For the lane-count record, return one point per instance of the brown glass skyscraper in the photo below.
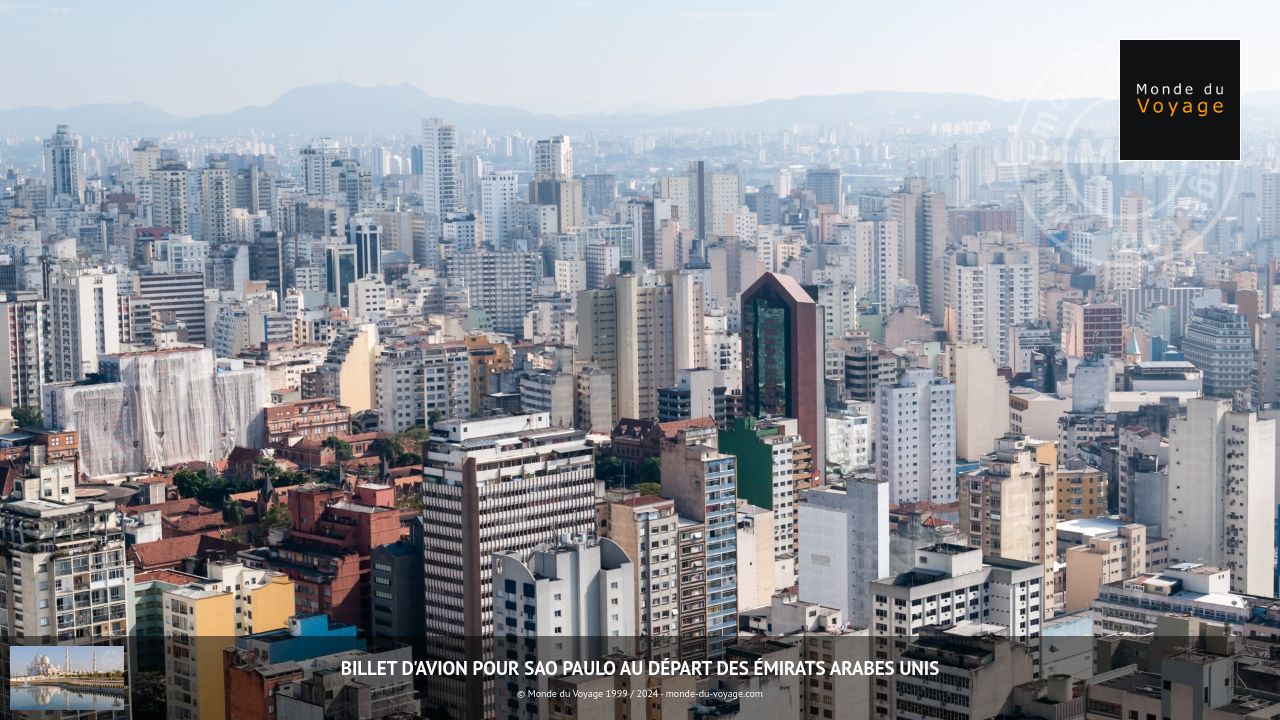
(782, 358)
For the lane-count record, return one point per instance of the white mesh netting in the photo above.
(169, 407)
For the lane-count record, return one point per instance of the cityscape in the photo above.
(873, 402)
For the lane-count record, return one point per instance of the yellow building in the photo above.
(203, 618)
(1082, 493)
(488, 359)
(1120, 555)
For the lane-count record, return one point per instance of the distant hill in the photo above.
(342, 109)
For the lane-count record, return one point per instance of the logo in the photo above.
(1179, 99)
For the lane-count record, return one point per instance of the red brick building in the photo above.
(326, 550)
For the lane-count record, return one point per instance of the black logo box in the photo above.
(1185, 65)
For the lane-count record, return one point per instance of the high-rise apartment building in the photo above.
(500, 284)
(1221, 506)
(982, 406)
(1008, 506)
(54, 546)
(24, 348)
(921, 219)
(440, 191)
(499, 193)
(176, 297)
(573, 600)
(702, 482)
(1266, 383)
(916, 448)
(1092, 328)
(416, 384)
(84, 321)
(553, 157)
(317, 160)
(642, 330)
(217, 197)
(366, 236)
(772, 463)
(62, 162)
(824, 183)
(170, 204)
(992, 288)
(950, 584)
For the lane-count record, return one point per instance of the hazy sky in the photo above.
(577, 56)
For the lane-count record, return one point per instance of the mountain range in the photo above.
(345, 109)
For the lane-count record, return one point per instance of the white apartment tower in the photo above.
(993, 287)
(916, 452)
(553, 158)
(439, 173)
(499, 192)
(84, 321)
(575, 599)
(62, 161)
(24, 341)
(1220, 506)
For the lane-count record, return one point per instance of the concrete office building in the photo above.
(481, 479)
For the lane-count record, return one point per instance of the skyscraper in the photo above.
(782, 357)
(703, 483)
(844, 545)
(366, 236)
(439, 173)
(598, 192)
(982, 398)
(217, 196)
(501, 484)
(992, 288)
(642, 330)
(916, 450)
(169, 202)
(922, 230)
(317, 166)
(824, 183)
(498, 195)
(62, 160)
(340, 272)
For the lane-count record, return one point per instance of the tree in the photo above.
(648, 488)
(651, 471)
(28, 417)
(341, 448)
(609, 470)
(233, 512)
(277, 516)
(147, 694)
